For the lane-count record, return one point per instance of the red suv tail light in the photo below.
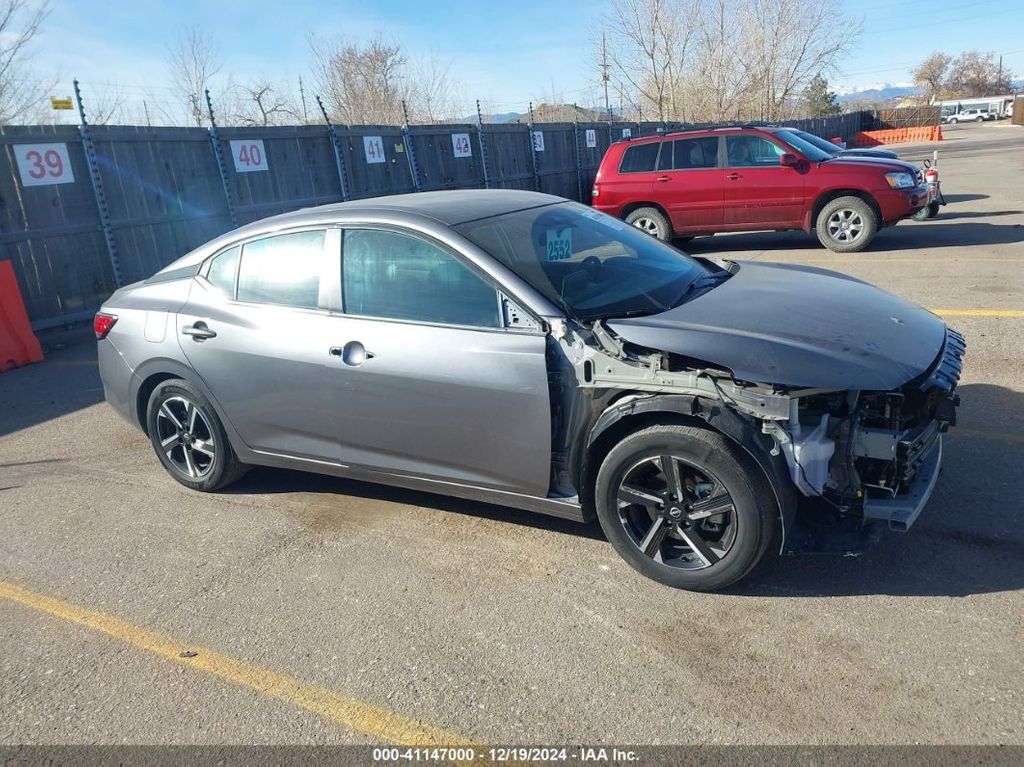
(102, 323)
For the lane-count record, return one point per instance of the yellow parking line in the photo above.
(1016, 313)
(999, 436)
(361, 717)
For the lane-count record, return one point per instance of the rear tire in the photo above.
(846, 225)
(679, 541)
(189, 438)
(652, 221)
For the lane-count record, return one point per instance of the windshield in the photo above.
(822, 144)
(590, 264)
(811, 151)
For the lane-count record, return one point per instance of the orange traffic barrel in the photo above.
(18, 344)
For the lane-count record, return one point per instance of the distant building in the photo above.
(1001, 106)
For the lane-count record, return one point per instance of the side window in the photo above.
(749, 151)
(696, 153)
(640, 159)
(401, 277)
(284, 269)
(221, 271)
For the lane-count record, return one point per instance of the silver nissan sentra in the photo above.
(520, 349)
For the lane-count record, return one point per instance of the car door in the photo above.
(433, 383)
(759, 192)
(256, 330)
(634, 181)
(690, 184)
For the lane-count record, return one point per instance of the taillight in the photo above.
(102, 323)
(594, 192)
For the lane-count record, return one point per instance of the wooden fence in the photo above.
(75, 224)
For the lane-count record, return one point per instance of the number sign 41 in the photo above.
(249, 155)
(43, 164)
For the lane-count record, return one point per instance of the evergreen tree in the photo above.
(818, 99)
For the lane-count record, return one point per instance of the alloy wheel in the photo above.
(845, 225)
(185, 437)
(676, 513)
(648, 225)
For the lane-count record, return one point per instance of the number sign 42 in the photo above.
(43, 164)
(249, 155)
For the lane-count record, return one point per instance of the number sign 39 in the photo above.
(43, 164)
(249, 155)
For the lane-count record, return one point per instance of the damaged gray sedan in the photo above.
(523, 350)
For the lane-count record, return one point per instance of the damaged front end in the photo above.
(847, 458)
(873, 456)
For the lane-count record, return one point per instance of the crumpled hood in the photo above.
(797, 326)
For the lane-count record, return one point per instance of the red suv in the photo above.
(680, 185)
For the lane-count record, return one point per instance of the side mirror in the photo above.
(789, 160)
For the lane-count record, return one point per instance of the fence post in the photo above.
(339, 153)
(410, 151)
(483, 145)
(579, 157)
(97, 188)
(219, 157)
(533, 151)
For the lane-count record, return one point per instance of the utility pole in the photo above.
(605, 78)
(302, 98)
(999, 79)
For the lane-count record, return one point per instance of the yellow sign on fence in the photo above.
(57, 103)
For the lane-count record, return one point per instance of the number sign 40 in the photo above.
(43, 164)
(249, 155)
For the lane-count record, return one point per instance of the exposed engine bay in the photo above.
(860, 455)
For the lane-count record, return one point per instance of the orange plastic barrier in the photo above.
(898, 136)
(18, 344)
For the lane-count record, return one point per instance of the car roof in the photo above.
(449, 207)
(683, 132)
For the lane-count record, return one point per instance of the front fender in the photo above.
(740, 429)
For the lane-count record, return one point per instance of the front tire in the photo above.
(846, 225)
(686, 507)
(652, 221)
(189, 438)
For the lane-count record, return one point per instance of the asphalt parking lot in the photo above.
(327, 611)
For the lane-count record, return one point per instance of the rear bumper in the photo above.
(896, 204)
(901, 511)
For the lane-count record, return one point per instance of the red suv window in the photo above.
(641, 158)
(689, 154)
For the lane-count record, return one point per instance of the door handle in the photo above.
(663, 178)
(353, 353)
(198, 331)
(734, 176)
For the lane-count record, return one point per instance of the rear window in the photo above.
(640, 159)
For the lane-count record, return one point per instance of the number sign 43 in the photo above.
(43, 164)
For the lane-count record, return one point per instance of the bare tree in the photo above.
(20, 93)
(193, 64)
(930, 75)
(724, 59)
(647, 50)
(367, 82)
(432, 92)
(267, 105)
(361, 83)
(106, 106)
(974, 73)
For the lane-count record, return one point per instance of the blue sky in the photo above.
(504, 53)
